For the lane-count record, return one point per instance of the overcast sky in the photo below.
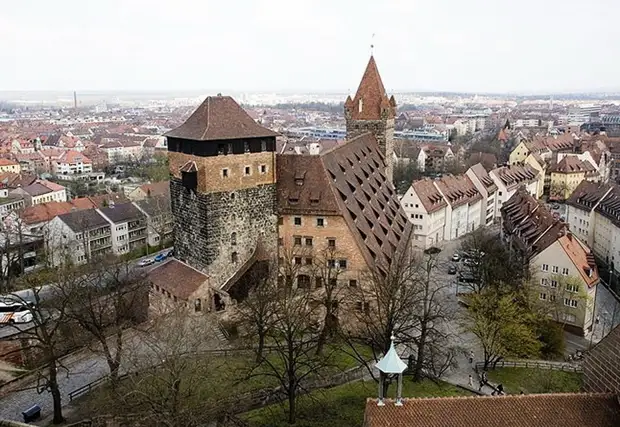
(309, 45)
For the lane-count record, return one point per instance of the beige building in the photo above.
(561, 267)
(7, 165)
(568, 174)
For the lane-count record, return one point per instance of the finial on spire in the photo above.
(372, 44)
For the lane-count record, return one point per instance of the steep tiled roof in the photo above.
(601, 366)
(458, 190)
(573, 164)
(219, 118)
(161, 188)
(178, 278)
(582, 258)
(429, 195)
(531, 225)
(514, 175)
(532, 410)
(372, 95)
(303, 186)
(103, 200)
(484, 177)
(47, 211)
(7, 162)
(15, 180)
(609, 206)
(72, 157)
(588, 194)
(367, 199)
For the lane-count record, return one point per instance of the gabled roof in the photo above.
(47, 211)
(528, 410)
(161, 188)
(372, 95)
(483, 176)
(429, 195)
(581, 257)
(220, 118)
(458, 190)
(84, 220)
(103, 200)
(8, 162)
(588, 194)
(573, 164)
(122, 213)
(514, 175)
(155, 206)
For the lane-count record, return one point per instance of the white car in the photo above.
(456, 257)
(146, 262)
(14, 312)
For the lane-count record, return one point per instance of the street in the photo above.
(7, 330)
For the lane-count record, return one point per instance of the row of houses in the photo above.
(446, 208)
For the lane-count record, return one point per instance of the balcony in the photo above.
(100, 243)
(137, 225)
(137, 235)
(99, 233)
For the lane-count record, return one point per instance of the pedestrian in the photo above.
(471, 357)
(471, 381)
(480, 386)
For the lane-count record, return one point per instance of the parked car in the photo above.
(452, 269)
(456, 257)
(170, 253)
(160, 257)
(146, 262)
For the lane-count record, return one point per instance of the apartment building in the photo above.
(71, 162)
(594, 216)
(159, 218)
(559, 264)
(485, 185)
(128, 227)
(41, 191)
(509, 178)
(79, 235)
(443, 209)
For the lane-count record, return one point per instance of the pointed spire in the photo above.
(391, 363)
(371, 96)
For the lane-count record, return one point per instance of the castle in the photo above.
(236, 202)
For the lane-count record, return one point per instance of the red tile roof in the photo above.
(582, 258)
(73, 157)
(372, 95)
(178, 278)
(47, 211)
(429, 195)
(7, 162)
(220, 118)
(533, 410)
(161, 188)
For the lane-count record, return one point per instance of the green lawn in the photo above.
(531, 380)
(342, 406)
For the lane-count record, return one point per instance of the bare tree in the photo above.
(48, 309)
(115, 297)
(434, 355)
(292, 358)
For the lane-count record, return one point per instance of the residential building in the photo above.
(541, 165)
(41, 191)
(7, 165)
(11, 204)
(35, 218)
(154, 189)
(72, 162)
(568, 174)
(445, 209)
(425, 207)
(371, 110)
(509, 178)
(556, 261)
(159, 218)
(485, 185)
(128, 225)
(594, 216)
(79, 235)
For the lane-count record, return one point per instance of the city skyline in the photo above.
(320, 46)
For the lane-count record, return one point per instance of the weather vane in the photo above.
(372, 44)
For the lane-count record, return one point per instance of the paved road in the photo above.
(86, 366)
(7, 331)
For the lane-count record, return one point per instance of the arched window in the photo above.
(233, 238)
(234, 257)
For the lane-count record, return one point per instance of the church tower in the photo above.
(371, 110)
(222, 189)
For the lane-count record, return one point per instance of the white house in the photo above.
(487, 188)
(72, 162)
(41, 191)
(128, 226)
(508, 178)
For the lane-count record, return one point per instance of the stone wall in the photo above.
(601, 366)
(204, 224)
(383, 130)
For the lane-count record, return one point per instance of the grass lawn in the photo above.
(531, 380)
(342, 406)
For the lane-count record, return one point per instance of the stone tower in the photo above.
(372, 111)
(222, 189)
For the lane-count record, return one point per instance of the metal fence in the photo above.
(533, 364)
